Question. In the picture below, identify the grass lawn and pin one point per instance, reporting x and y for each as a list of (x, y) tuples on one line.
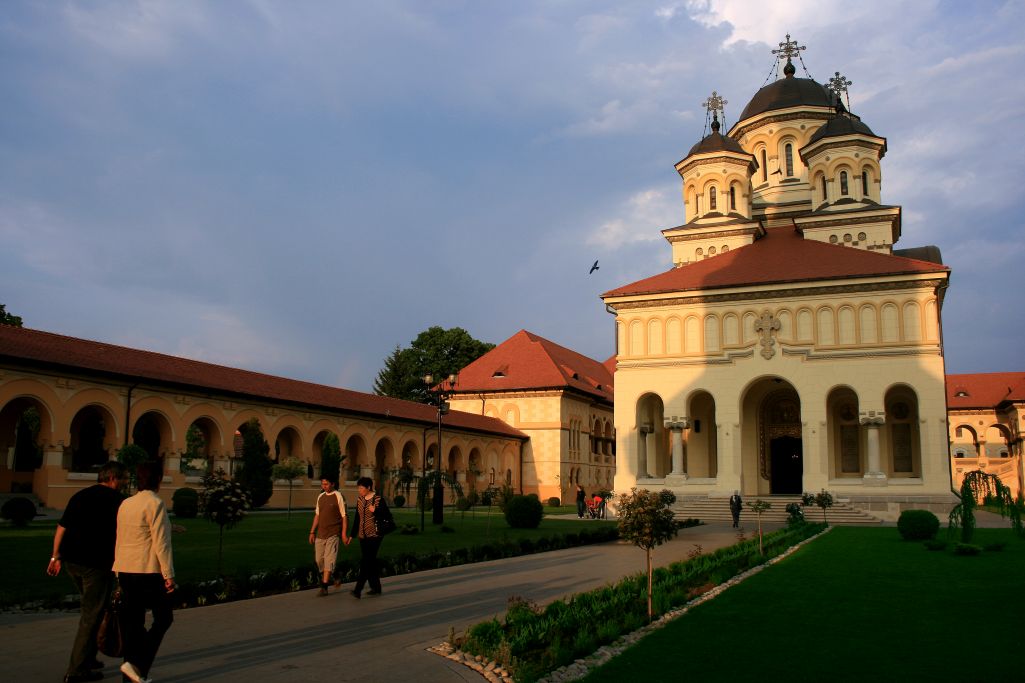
[(859, 604), (261, 541)]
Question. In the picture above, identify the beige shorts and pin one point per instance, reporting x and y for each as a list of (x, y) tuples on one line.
[(326, 553)]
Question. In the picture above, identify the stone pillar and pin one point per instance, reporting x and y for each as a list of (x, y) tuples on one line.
[(873, 420), (676, 425)]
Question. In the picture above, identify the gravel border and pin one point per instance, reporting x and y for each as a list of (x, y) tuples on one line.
[(494, 673)]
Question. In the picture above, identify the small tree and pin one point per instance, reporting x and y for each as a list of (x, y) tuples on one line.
[(758, 507), (823, 499), (224, 503), (978, 485), (255, 471), (331, 458), (195, 445), (9, 318), (291, 469), (646, 520), (130, 455)]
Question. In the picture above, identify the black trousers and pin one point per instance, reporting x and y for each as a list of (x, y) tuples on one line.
[(369, 572), (141, 592)]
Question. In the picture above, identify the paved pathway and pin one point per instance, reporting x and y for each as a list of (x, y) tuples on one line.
[(300, 637)]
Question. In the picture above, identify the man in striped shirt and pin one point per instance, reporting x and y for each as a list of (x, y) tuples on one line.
[(329, 524)]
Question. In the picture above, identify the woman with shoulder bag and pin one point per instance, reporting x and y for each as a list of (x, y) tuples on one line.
[(367, 502)]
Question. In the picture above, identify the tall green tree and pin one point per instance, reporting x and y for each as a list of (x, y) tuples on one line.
[(9, 319), (435, 351), (331, 459), (254, 473), (646, 520)]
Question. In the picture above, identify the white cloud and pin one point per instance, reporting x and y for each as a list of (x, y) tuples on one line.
[(640, 219), (136, 29)]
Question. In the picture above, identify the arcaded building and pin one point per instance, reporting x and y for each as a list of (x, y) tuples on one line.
[(790, 347)]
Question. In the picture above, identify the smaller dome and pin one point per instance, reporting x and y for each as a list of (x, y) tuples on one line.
[(716, 142), (841, 124)]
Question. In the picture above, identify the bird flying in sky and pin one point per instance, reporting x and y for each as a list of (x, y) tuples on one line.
[(593, 268)]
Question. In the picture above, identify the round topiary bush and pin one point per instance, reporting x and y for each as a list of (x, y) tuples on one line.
[(554, 502), (19, 510), (399, 500), (918, 525), (185, 503), (523, 512)]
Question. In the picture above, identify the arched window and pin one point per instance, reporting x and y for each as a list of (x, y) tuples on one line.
[(822, 183), (733, 198), (843, 183), (711, 199), (765, 167), (864, 183), (788, 153)]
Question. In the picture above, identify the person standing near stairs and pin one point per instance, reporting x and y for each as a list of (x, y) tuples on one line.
[(736, 505)]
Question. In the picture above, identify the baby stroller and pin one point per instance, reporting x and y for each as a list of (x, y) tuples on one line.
[(596, 507)]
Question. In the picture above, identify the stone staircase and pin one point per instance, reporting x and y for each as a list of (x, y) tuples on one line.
[(718, 510)]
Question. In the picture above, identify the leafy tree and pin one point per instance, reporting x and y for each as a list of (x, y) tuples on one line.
[(824, 499), (9, 319), (978, 484), (646, 520), (758, 507), (330, 458), (195, 444), (291, 469), (224, 503), (254, 473), (436, 351), (130, 455)]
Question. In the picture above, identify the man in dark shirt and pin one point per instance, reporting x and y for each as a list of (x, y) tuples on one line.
[(84, 547)]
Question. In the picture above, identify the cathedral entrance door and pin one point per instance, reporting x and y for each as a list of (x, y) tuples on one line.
[(786, 465)]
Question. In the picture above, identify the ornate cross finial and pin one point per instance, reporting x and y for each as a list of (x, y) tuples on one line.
[(765, 326), (715, 103), (839, 84), (789, 49)]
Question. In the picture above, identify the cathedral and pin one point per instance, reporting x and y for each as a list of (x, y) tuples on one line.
[(791, 347)]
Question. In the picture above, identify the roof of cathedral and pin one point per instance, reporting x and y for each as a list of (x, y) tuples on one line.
[(788, 92), (527, 361), (120, 363), (984, 389), (716, 142), (840, 125), (783, 255)]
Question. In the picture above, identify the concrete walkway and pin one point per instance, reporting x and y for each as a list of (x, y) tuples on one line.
[(302, 637)]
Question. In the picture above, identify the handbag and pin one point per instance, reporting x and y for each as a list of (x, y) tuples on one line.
[(109, 640), (383, 518)]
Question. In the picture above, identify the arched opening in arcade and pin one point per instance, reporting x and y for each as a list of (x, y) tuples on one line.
[(152, 433), (92, 432), (772, 439), (22, 422), (652, 447)]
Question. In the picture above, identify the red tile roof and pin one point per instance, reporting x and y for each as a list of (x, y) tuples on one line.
[(527, 361), (21, 345), (984, 390), (782, 256)]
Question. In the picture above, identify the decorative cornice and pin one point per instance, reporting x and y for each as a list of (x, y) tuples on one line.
[(776, 294), (824, 115), (840, 219), (819, 147), (736, 232), (685, 165)]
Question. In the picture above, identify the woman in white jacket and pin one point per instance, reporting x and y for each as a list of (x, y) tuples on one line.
[(145, 571)]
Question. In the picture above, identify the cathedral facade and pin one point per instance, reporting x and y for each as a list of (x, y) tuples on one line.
[(791, 347)]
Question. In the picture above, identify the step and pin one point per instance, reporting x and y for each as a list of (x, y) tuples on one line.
[(718, 510)]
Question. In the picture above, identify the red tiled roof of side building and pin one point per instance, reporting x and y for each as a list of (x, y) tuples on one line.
[(984, 389), (527, 361), (782, 256), (23, 345)]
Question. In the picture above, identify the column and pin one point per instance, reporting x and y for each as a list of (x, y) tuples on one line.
[(676, 425), (642, 450), (873, 420)]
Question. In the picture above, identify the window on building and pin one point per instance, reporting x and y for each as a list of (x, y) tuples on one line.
[(864, 183), (788, 153), (733, 199), (843, 183), (765, 167), (711, 199), (822, 184)]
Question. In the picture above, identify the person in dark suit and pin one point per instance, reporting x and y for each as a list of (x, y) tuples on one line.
[(736, 505)]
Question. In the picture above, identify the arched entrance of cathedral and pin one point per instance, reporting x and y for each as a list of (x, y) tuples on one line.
[(781, 449)]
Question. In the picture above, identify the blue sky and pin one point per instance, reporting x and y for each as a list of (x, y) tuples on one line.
[(298, 187)]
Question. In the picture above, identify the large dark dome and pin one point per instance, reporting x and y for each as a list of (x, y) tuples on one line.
[(841, 124), (788, 92)]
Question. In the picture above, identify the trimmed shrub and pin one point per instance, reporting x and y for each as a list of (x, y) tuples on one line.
[(554, 502), (967, 549), (523, 512), (935, 544), (185, 503), (20, 511), (918, 525), (399, 500)]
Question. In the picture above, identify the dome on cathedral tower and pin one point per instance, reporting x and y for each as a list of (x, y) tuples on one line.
[(788, 92), (716, 142)]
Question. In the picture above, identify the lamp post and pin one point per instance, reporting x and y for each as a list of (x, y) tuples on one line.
[(441, 394)]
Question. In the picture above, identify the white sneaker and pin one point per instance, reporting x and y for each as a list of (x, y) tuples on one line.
[(128, 669)]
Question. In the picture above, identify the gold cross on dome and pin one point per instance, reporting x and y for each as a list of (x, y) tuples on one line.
[(788, 48), (715, 103)]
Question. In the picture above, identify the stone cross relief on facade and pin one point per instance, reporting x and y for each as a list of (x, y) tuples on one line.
[(765, 326)]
